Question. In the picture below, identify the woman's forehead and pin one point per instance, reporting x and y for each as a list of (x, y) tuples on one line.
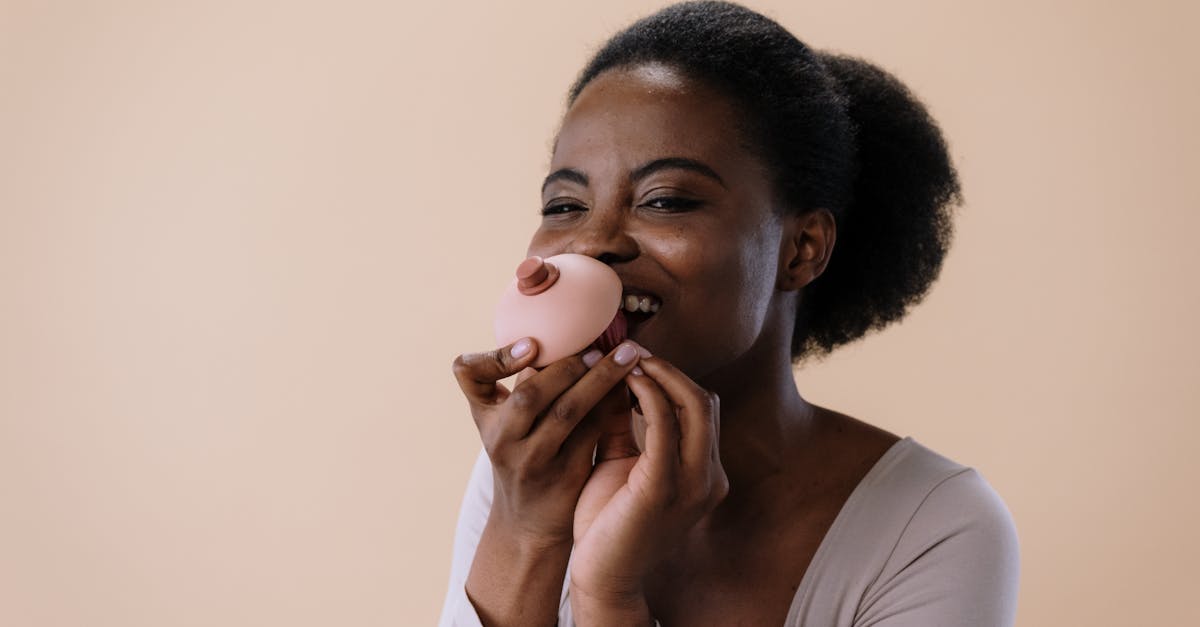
[(645, 112)]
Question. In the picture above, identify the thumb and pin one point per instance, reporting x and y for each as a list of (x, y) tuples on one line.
[(478, 374)]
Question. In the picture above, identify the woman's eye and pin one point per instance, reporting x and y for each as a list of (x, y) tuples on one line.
[(672, 203), (560, 208)]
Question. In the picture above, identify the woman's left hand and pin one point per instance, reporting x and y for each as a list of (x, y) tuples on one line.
[(635, 508)]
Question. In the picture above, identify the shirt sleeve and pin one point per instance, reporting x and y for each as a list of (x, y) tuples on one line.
[(956, 564), (457, 610)]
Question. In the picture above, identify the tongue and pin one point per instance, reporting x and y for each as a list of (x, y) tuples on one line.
[(613, 335)]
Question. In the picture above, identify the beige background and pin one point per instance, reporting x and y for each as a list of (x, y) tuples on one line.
[(241, 242)]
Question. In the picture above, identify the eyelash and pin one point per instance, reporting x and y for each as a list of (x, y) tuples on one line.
[(680, 205)]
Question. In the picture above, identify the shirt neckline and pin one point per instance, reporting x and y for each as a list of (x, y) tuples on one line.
[(859, 493)]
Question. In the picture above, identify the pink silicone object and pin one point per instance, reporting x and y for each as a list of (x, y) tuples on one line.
[(568, 316)]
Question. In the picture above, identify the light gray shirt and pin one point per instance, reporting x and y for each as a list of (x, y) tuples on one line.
[(922, 541)]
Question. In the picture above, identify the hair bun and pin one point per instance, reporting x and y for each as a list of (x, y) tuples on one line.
[(897, 227)]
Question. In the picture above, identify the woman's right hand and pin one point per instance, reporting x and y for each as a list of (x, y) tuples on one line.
[(540, 446), (541, 454)]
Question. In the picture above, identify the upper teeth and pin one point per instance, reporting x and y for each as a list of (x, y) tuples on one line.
[(647, 304)]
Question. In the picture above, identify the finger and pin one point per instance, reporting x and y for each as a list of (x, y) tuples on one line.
[(558, 431), (697, 409), (662, 428), (478, 374), (533, 396)]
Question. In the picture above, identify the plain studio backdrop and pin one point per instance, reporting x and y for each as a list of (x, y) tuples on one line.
[(241, 243)]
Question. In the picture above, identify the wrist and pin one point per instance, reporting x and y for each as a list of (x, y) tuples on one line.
[(520, 550), (523, 539), (610, 607), (514, 581)]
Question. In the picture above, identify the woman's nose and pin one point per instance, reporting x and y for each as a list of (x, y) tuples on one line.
[(605, 236)]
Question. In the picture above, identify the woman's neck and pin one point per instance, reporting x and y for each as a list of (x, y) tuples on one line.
[(764, 419)]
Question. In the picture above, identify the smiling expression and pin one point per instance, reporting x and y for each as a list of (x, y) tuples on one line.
[(650, 175)]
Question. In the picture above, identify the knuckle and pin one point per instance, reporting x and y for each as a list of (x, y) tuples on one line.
[(496, 356), (523, 399), (575, 367), (460, 366), (718, 487), (704, 489), (564, 411)]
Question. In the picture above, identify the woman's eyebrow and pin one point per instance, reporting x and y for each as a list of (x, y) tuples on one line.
[(566, 174), (679, 163), (640, 172)]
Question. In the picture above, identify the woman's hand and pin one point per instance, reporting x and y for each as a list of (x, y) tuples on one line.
[(635, 508), (540, 447), (540, 455)]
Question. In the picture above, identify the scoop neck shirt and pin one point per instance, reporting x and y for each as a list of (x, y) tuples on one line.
[(922, 541)]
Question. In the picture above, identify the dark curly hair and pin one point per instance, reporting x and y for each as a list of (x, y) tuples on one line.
[(837, 133)]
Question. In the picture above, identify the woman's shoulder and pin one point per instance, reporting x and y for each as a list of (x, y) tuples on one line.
[(944, 493), (920, 526), (952, 536), (957, 503), (924, 494)]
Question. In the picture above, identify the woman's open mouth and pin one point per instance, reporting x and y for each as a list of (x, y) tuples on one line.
[(636, 308)]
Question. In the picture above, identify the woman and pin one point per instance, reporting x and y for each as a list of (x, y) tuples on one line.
[(713, 160)]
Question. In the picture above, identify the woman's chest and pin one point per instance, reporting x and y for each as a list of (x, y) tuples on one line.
[(739, 581), (752, 600), (748, 569)]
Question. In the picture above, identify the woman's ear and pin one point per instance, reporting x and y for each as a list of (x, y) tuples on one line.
[(807, 242)]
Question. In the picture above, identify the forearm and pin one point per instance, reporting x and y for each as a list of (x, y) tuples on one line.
[(514, 582)]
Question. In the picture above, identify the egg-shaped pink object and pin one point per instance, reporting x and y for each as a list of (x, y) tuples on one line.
[(566, 317)]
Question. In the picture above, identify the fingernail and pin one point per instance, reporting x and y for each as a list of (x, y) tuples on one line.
[(591, 357), (643, 351), (520, 348), (637, 370), (625, 354)]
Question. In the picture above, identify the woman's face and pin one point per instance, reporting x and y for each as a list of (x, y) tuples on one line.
[(650, 175)]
